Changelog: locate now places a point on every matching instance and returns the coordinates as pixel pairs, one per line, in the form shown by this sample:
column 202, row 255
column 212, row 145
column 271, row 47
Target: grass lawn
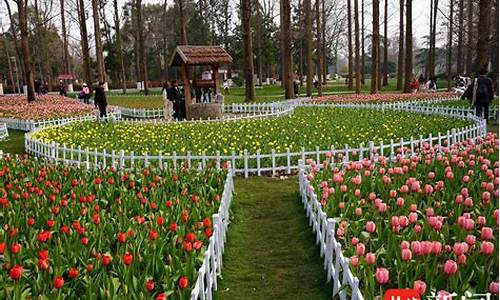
column 14, row 143
column 271, row 251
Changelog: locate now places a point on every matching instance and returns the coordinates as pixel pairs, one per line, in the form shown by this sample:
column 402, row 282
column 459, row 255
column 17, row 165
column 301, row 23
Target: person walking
column 480, row 93
column 100, row 100
column 173, row 95
column 85, row 94
column 62, row 89
column 414, row 85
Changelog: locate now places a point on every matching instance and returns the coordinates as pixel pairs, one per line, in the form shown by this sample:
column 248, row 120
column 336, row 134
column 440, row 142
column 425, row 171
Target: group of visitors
column 100, row 100
column 172, row 92
column 203, row 95
column 41, row 87
column 421, row 84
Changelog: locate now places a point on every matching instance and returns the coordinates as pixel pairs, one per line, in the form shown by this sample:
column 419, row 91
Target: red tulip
column 183, row 282
column 127, row 259
column 15, row 248
column 160, row 221
column 161, row 296
column 197, row 245
column 187, row 245
column 3, row 246
column 58, row 282
column 153, row 234
column 31, row 222
column 43, row 236
column 16, row 272
column 84, row 240
column 150, row 285
column 190, row 237
column 106, row 260
column 173, row 227
column 73, row 272
column 43, row 264
column 90, row 267
column 121, row 237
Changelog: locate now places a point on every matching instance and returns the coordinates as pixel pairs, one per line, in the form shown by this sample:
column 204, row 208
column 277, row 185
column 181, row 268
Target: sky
column 420, row 16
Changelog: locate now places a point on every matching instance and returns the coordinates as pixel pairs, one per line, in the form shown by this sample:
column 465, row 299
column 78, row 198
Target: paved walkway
column 271, row 251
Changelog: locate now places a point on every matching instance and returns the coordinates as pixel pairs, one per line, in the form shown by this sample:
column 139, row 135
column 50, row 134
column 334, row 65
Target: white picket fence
column 345, row 284
column 206, row 282
column 259, row 163
column 3, row 131
column 31, row 125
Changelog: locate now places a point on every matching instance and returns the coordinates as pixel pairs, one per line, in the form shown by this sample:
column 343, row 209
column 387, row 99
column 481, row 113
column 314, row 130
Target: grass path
column 271, row 251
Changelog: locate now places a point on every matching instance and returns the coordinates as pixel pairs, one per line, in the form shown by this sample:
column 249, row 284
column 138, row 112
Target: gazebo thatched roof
column 199, row 55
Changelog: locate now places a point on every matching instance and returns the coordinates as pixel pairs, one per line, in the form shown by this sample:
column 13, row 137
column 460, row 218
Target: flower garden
column 107, row 233
column 424, row 216
column 43, row 108
column 307, row 127
column 428, row 222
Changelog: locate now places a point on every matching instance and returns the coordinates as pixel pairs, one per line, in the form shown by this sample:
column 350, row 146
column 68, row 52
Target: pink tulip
column 417, row 228
column 486, row 233
column 487, row 248
column 481, row 221
column 360, row 249
column 370, row 227
column 400, row 202
column 428, row 189
column 493, row 288
column 470, row 240
column 382, row 207
column 450, row 267
column 403, row 221
column 437, row 248
column 461, row 259
column 420, row 287
column 404, row 245
column 392, row 194
column 412, row 217
column 406, row 254
column 413, row 208
column 468, row 202
column 370, row 258
column 382, row 275
column 358, row 211
column 354, row 261
column 354, row 241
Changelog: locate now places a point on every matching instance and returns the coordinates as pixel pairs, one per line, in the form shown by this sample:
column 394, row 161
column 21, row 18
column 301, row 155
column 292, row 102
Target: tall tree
column 460, row 44
column 349, row 45
column 245, row 6
column 386, row 47
column 182, row 21
column 22, row 7
column 323, row 38
column 470, row 37
column 67, row 68
column 483, row 28
column 399, row 84
column 450, row 45
column 319, row 55
column 356, row 48
column 258, row 40
column 101, row 71
column 119, row 49
column 142, row 56
column 408, row 47
column 432, row 37
column 362, row 42
column 309, row 70
column 375, row 48
column 84, row 42
column 286, row 49
column 494, row 44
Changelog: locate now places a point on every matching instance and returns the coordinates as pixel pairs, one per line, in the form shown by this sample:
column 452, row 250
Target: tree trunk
column 386, row 46
column 409, row 47
column 494, row 44
column 432, row 65
column 319, row 55
column 362, row 42
column 85, row 44
column 258, row 40
column 309, row 63
column 323, row 38
column 286, row 43
column 470, row 38
column 460, row 44
column 429, row 53
column 247, row 50
column 375, row 48
column 356, row 47
column 101, row 73
column 28, row 68
column 67, row 68
column 142, row 55
column 119, row 49
column 182, row 21
column 483, row 40
column 349, row 46
column 450, row 45
column 399, row 84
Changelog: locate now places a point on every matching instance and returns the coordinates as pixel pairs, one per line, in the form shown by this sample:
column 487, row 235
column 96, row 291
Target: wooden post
column 187, row 88
column 215, row 77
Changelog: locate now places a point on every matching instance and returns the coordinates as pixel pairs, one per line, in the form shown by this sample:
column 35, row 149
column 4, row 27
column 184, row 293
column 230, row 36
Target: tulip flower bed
column 378, row 98
column 306, row 127
column 43, row 108
column 429, row 222
column 462, row 104
column 107, row 234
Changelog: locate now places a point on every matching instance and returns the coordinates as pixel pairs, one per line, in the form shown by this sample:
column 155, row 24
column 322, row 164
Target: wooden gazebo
column 187, row 56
